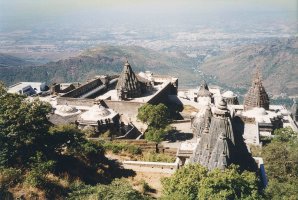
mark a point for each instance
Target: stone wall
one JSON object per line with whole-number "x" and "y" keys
{"x": 159, "y": 167}
{"x": 75, "y": 101}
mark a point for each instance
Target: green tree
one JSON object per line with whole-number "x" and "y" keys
{"x": 281, "y": 163}
{"x": 24, "y": 127}
{"x": 185, "y": 181}
{"x": 229, "y": 184}
{"x": 157, "y": 135}
{"x": 155, "y": 116}
{"x": 195, "y": 182}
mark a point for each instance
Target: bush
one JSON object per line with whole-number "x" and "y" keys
{"x": 116, "y": 148}
{"x": 157, "y": 157}
{"x": 195, "y": 182}
{"x": 145, "y": 188}
{"x": 36, "y": 177}
{"x": 9, "y": 177}
{"x": 118, "y": 189}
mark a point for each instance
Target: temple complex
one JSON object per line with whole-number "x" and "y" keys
{"x": 223, "y": 131}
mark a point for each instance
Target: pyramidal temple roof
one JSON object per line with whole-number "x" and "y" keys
{"x": 128, "y": 85}
{"x": 204, "y": 90}
{"x": 256, "y": 95}
{"x": 216, "y": 145}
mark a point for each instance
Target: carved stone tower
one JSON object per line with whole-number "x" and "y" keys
{"x": 256, "y": 95}
{"x": 128, "y": 85}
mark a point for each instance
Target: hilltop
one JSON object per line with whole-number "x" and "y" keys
{"x": 277, "y": 60}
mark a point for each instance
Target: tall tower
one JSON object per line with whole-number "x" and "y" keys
{"x": 215, "y": 148}
{"x": 128, "y": 85}
{"x": 256, "y": 95}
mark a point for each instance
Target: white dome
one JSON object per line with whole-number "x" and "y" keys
{"x": 260, "y": 111}
{"x": 228, "y": 94}
{"x": 95, "y": 113}
{"x": 67, "y": 109}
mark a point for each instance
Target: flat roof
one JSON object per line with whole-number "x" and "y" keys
{"x": 19, "y": 86}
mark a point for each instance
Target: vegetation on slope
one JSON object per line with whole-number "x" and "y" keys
{"x": 277, "y": 60}
{"x": 281, "y": 163}
{"x": 103, "y": 60}
{"x": 39, "y": 160}
{"x": 12, "y": 61}
{"x": 195, "y": 182}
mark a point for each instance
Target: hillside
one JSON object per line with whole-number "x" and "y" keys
{"x": 103, "y": 60}
{"x": 8, "y": 61}
{"x": 232, "y": 69}
{"x": 278, "y": 61}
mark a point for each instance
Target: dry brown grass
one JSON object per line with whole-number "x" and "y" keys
{"x": 189, "y": 109}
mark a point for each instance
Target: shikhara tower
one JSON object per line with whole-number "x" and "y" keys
{"x": 256, "y": 95}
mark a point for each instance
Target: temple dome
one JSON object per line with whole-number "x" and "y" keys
{"x": 228, "y": 94}
{"x": 95, "y": 113}
{"x": 67, "y": 109}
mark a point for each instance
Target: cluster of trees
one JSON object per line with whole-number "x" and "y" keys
{"x": 35, "y": 153}
{"x": 196, "y": 182}
{"x": 281, "y": 164}
{"x": 157, "y": 119}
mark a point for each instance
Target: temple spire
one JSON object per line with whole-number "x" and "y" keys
{"x": 256, "y": 95}
{"x": 128, "y": 85}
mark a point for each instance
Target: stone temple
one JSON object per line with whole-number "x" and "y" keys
{"x": 256, "y": 95}
{"x": 128, "y": 85}
{"x": 216, "y": 144}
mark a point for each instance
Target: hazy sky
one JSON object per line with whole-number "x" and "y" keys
{"x": 44, "y": 7}
{"x": 23, "y": 12}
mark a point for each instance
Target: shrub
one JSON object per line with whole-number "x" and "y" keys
{"x": 195, "y": 182}
{"x": 119, "y": 147}
{"x": 118, "y": 189}
{"x": 9, "y": 176}
{"x": 36, "y": 177}
{"x": 157, "y": 157}
{"x": 145, "y": 188}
